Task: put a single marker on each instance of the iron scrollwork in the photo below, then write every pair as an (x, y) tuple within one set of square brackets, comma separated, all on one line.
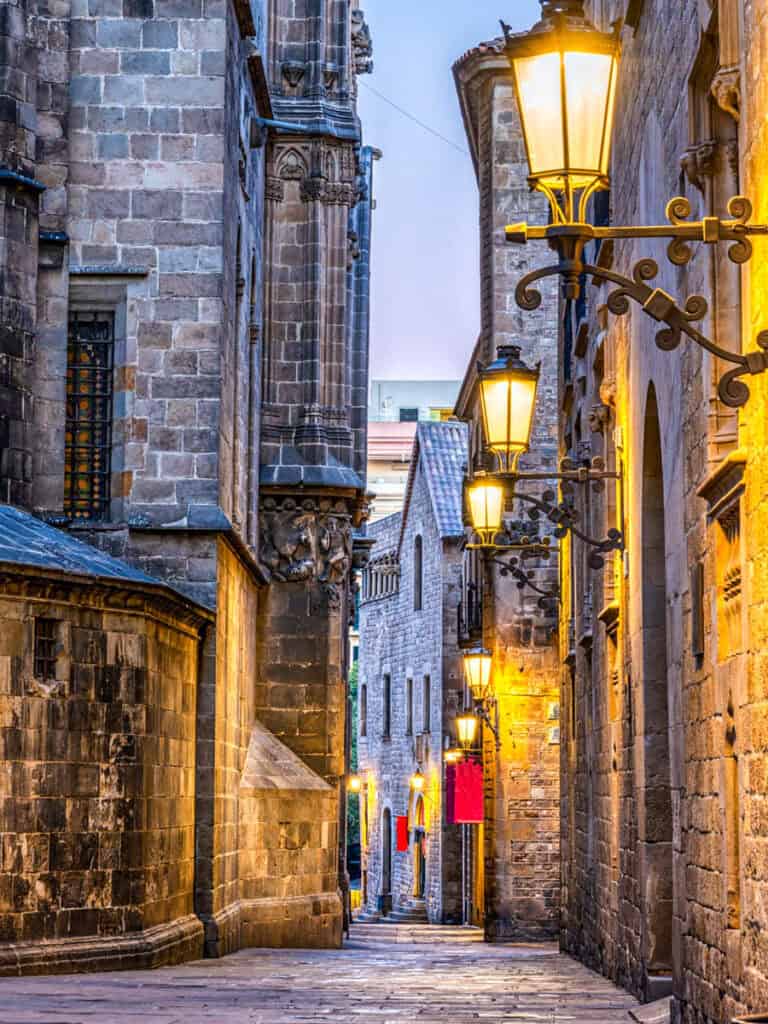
[(657, 303)]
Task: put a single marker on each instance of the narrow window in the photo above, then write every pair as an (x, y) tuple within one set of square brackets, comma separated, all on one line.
[(418, 572), (363, 710), (45, 649), (427, 708), (409, 707), (387, 709), (88, 431)]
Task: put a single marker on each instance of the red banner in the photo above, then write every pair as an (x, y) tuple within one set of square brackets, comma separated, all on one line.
[(464, 793), (402, 833)]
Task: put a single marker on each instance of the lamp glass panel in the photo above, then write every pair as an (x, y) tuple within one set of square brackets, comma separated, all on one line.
[(508, 405), (539, 89), (466, 730), (486, 505), (588, 87), (477, 667), (608, 138)]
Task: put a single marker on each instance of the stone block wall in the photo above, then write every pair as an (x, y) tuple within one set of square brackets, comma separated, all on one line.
[(664, 885), (98, 814)]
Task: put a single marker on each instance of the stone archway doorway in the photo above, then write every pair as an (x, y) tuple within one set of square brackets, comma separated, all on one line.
[(419, 851)]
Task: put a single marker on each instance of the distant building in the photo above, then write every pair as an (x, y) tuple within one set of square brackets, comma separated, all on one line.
[(411, 685), (395, 407)]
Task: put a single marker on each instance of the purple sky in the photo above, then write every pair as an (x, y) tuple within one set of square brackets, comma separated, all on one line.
[(425, 301)]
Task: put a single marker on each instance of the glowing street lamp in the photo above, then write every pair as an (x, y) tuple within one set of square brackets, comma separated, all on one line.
[(466, 729), (565, 73), (508, 399), (354, 784), (418, 781), (485, 497), (477, 669), (453, 755)]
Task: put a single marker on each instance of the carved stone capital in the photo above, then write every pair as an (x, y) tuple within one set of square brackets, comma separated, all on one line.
[(274, 189), (362, 44), (699, 162), (599, 417), (293, 72), (329, 192), (308, 540), (726, 89)]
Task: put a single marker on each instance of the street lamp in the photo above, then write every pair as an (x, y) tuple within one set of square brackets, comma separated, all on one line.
[(508, 400), (466, 729), (477, 669), (485, 496), (565, 74), (418, 781), (453, 755), (354, 784)]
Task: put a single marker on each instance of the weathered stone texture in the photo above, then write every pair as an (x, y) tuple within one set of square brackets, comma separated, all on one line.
[(521, 834), (98, 816), (662, 826)]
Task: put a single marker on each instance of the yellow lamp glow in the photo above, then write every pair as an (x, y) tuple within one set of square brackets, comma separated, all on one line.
[(454, 755), (508, 400), (486, 506), (417, 782), (477, 669), (354, 784), (565, 74), (466, 730)]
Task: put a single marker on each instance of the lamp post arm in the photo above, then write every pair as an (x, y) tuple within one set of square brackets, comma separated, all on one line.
[(661, 307)]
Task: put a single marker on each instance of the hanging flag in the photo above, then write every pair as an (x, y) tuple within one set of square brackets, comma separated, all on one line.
[(464, 803), (402, 833)]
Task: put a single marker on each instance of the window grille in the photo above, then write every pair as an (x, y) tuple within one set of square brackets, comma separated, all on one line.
[(88, 436), (45, 649)]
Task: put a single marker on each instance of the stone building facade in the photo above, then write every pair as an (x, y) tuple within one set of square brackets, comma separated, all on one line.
[(664, 749), (185, 216), (411, 684), (520, 854)]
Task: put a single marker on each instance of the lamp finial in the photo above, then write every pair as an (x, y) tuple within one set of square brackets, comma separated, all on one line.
[(572, 8)]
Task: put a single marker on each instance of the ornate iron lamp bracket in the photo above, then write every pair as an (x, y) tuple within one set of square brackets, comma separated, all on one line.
[(569, 241)]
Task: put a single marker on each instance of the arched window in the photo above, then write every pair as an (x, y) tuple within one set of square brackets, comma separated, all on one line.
[(387, 708), (363, 710), (418, 572)]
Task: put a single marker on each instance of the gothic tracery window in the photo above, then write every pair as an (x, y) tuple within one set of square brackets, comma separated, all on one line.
[(88, 433)]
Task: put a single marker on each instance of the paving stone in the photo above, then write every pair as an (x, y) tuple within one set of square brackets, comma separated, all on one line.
[(385, 974)]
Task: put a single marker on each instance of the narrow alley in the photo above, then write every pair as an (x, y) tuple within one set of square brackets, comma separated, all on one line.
[(385, 973)]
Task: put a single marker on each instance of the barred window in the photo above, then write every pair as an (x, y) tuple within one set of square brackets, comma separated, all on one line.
[(88, 438), (45, 649)]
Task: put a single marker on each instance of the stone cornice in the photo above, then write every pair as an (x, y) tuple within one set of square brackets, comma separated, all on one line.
[(725, 484)]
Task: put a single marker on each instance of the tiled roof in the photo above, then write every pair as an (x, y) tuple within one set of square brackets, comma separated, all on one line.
[(25, 540), (441, 448)]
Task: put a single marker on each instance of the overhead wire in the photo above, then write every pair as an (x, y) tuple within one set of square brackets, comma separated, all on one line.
[(412, 117)]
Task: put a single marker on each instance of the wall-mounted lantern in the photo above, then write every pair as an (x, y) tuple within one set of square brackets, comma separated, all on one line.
[(508, 399), (354, 784), (453, 755), (485, 497), (477, 669), (565, 73), (466, 729), (417, 781)]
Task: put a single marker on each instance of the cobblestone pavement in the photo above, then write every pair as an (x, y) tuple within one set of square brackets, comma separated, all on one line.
[(384, 975)]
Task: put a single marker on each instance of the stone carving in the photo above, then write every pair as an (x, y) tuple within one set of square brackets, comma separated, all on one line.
[(293, 72), (309, 540), (599, 417), (362, 44), (699, 162), (274, 189), (726, 89), (329, 192), (330, 76)]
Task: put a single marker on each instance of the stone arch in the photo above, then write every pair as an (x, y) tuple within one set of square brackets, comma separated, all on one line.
[(656, 810), (291, 165)]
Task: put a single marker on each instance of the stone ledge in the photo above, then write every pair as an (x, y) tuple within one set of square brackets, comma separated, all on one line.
[(300, 922), (160, 946)]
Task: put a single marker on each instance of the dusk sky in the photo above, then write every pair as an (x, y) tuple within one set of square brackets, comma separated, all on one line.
[(425, 294)]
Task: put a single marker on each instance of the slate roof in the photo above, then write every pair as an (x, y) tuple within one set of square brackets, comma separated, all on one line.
[(25, 540), (441, 449)]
